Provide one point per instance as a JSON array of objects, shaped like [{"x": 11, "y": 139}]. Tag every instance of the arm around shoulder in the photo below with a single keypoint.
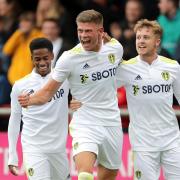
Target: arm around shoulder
[{"x": 45, "y": 94}]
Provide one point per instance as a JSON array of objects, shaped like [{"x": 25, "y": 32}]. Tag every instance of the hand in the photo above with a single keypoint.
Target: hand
[
  {"x": 13, "y": 169},
  {"x": 75, "y": 104},
  {"x": 106, "y": 37},
  {"x": 115, "y": 30},
  {"x": 24, "y": 100}
]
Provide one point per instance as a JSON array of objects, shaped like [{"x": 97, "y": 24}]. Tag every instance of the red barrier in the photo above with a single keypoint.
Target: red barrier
[{"x": 125, "y": 172}]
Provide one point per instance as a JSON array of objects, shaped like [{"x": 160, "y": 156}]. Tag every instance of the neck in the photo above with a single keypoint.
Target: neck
[
  {"x": 171, "y": 14},
  {"x": 98, "y": 47},
  {"x": 149, "y": 58}
]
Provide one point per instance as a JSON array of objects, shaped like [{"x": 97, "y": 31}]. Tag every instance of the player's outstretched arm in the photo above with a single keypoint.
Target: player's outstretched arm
[{"x": 41, "y": 96}]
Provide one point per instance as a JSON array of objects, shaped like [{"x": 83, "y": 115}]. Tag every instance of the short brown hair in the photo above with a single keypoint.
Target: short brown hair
[
  {"x": 27, "y": 16},
  {"x": 91, "y": 16},
  {"x": 152, "y": 24},
  {"x": 53, "y": 20}
]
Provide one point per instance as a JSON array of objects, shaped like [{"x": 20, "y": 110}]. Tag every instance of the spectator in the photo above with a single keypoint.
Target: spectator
[
  {"x": 169, "y": 19},
  {"x": 52, "y": 30},
  {"x": 54, "y": 9},
  {"x": 106, "y": 8},
  {"x": 5, "y": 87},
  {"x": 124, "y": 31},
  {"x": 9, "y": 12},
  {"x": 4, "y": 64},
  {"x": 17, "y": 47}
]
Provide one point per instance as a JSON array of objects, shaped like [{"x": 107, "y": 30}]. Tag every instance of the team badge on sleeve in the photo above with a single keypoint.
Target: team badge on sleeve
[
  {"x": 165, "y": 75},
  {"x": 75, "y": 146},
  {"x": 138, "y": 174},
  {"x": 111, "y": 58},
  {"x": 30, "y": 172}
]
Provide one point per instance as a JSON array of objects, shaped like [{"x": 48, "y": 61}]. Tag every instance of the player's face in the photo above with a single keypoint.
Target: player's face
[
  {"x": 90, "y": 36},
  {"x": 147, "y": 42},
  {"x": 42, "y": 61}
]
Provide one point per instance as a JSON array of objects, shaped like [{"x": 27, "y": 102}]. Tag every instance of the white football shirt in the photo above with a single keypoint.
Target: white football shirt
[
  {"x": 91, "y": 76},
  {"x": 45, "y": 127},
  {"x": 149, "y": 90}
]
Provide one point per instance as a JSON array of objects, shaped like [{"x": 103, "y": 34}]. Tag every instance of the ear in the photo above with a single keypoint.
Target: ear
[
  {"x": 101, "y": 32},
  {"x": 158, "y": 42}
]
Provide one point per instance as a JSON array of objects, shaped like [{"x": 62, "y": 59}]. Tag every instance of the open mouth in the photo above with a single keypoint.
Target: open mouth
[
  {"x": 141, "y": 47},
  {"x": 85, "y": 42}
]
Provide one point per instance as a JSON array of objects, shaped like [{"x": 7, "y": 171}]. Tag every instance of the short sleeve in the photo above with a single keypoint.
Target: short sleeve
[
  {"x": 62, "y": 69},
  {"x": 176, "y": 85},
  {"x": 120, "y": 76}
]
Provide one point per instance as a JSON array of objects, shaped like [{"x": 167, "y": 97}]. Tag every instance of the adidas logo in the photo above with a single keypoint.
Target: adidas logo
[
  {"x": 138, "y": 77},
  {"x": 30, "y": 92},
  {"x": 86, "y": 66}
]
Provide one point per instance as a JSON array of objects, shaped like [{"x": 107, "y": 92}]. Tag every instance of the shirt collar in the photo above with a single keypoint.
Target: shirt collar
[
  {"x": 144, "y": 62},
  {"x": 36, "y": 75}
]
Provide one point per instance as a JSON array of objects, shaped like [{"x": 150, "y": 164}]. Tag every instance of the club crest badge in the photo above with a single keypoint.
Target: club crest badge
[
  {"x": 138, "y": 174},
  {"x": 111, "y": 58},
  {"x": 30, "y": 171},
  {"x": 76, "y": 146},
  {"x": 165, "y": 75}
]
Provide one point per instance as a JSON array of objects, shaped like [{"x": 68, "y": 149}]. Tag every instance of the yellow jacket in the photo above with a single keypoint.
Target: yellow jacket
[{"x": 17, "y": 47}]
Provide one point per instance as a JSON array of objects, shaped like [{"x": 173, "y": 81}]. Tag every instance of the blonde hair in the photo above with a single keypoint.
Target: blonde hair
[
  {"x": 90, "y": 16},
  {"x": 149, "y": 24}
]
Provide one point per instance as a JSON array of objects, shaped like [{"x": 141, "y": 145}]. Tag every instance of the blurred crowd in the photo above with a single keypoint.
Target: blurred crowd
[{"x": 21, "y": 21}]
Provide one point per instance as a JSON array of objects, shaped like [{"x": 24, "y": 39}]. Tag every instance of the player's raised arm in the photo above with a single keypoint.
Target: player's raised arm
[{"x": 42, "y": 96}]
